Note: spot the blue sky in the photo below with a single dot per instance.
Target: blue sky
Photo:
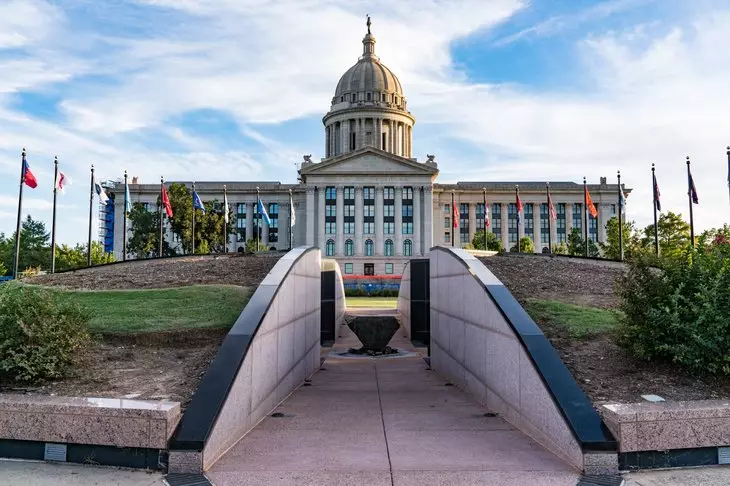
(236, 89)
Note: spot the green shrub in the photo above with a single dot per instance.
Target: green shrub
(42, 334)
(681, 311)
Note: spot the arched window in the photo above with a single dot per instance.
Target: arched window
(349, 248)
(407, 248)
(330, 251)
(388, 247)
(368, 247)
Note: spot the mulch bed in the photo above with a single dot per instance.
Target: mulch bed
(233, 269)
(150, 365)
(606, 372)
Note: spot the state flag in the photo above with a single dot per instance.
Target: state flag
(589, 205)
(166, 202)
(62, 180)
(28, 177)
(263, 213)
(197, 202)
(103, 198)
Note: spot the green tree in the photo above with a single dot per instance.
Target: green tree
(251, 246)
(632, 241)
(526, 245)
(208, 226)
(145, 237)
(493, 243)
(577, 247)
(3, 270)
(35, 250)
(68, 258)
(673, 235)
(713, 237)
(560, 249)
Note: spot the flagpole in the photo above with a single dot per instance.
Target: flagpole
(689, 196)
(162, 203)
(453, 223)
(620, 222)
(291, 226)
(225, 217)
(585, 214)
(193, 218)
(550, 219)
(656, 228)
(91, 207)
(258, 219)
(728, 170)
(53, 221)
(484, 195)
(20, 210)
(517, 203)
(124, 235)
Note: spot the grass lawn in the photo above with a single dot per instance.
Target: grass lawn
(372, 302)
(198, 306)
(581, 322)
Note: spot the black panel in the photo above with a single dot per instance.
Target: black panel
(327, 335)
(420, 302)
(22, 449)
(700, 456)
(200, 417)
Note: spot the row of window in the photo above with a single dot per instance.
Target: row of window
(369, 268)
(242, 224)
(382, 97)
(369, 248)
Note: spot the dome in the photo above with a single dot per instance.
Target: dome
(369, 80)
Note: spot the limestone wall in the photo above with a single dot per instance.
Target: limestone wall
(404, 300)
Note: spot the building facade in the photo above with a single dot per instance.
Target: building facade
(370, 204)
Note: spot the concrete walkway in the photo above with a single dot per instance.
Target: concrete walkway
(386, 421)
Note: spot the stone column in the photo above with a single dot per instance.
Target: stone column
(321, 242)
(391, 132)
(310, 212)
(428, 220)
(472, 220)
(417, 216)
(536, 230)
(345, 136)
(339, 216)
(602, 220)
(398, 222)
(568, 219)
(358, 221)
(505, 226)
(249, 221)
(379, 220)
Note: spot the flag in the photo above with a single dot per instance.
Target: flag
(197, 203)
(553, 213)
(487, 222)
(62, 180)
(28, 177)
(589, 204)
(455, 211)
(263, 213)
(103, 198)
(127, 199)
(166, 203)
(292, 211)
(519, 207)
(657, 202)
(622, 202)
(225, 207)
(692, 190)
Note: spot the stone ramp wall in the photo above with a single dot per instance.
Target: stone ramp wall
(269, 351)
(404, 300)
(484, 341)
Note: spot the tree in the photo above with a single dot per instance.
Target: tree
(3, 270)
(35, 250)
(145, 238)
(673, 235)
(493, 243)
(577, 246)
(526, 245)
(560, 249)
(208, 226)
(632, 241)
(713, 237)
(68, 258)
(251, 246)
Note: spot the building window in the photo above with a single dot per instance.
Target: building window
(389, 269)
(349, 211)
(349, 228)
(274, 225)
(368, 210)
(384, 145)
(464, 223)
(407, 248)
(388, 193)
(613, 210)
(593, 227)
(497, 220)
(544, 224)
(447, 222)
(578, 216)
(145, 205)
(348, 193)
(368, 228)
(561, 230)
(369, 269)
(330, 193)
(382, 97)
(388, 227)
(349, 248)
(352, 141)
(513, 225)
(330, 210)
(407, 228)
(354, 97)
(407, 193)
(480, 216)
(348, 268)
(447, 208)
(389, 210)
(369, 96)
(368, 247)
(447, 237)
(388, 247)
(330, 227)
(342, 98)
(330, 250)
(240, 222)
(529, 222)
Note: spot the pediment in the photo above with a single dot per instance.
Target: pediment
(369, 161)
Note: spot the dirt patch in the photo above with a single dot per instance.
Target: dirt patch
(232, 269)
(606, 372)
(150, 365)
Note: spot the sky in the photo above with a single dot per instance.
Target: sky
(236, 90)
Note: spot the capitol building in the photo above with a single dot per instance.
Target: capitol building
(369, 203)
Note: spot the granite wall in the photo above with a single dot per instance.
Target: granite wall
(484, 342)
(271, 349)
(404, 300)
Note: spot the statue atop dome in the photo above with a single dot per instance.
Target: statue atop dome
(368, 23)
